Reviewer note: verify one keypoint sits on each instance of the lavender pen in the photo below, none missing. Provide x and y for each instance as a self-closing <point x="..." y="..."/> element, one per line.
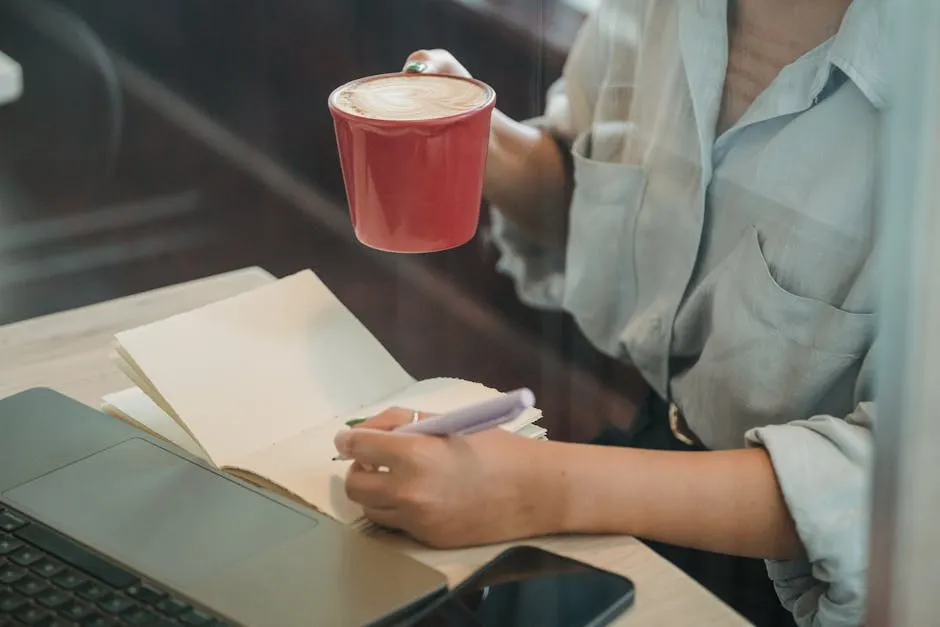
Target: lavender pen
<point x="473" y="419"/>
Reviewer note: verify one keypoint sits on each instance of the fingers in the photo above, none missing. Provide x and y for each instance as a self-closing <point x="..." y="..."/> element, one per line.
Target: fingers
<point x="420" y="61"/>
<point x="387" y="420"/>
<point x="375" y="448"/>
<point x="370" y="488"/>
<point x="435" y="62"/>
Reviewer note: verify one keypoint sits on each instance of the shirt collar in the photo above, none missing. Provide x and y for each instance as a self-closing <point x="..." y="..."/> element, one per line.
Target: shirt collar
<point x="860" y="48"/>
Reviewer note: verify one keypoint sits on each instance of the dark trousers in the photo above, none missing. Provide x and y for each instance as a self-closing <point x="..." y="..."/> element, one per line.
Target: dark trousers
<point x="740" y="582"/>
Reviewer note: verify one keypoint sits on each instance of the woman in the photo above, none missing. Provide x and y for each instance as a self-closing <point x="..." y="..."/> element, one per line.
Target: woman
<point x="699" y="196"/>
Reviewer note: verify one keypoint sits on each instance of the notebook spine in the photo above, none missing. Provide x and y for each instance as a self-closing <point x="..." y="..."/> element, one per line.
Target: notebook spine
<point x="369" y="528"/>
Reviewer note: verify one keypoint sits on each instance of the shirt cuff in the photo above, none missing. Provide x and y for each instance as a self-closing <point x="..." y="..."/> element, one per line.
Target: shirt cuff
<point x="537" y="271"/>
<point x="822" y="465"/>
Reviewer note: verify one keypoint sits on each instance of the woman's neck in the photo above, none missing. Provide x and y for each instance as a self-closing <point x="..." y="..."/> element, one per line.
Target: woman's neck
<point x="765" y="36"/>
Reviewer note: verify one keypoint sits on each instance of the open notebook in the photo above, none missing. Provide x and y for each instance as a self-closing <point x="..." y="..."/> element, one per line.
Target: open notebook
<point x="259" y="384"/>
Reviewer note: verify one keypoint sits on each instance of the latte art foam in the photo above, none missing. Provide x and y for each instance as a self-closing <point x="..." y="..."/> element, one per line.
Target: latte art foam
<point x="411" y="97"/>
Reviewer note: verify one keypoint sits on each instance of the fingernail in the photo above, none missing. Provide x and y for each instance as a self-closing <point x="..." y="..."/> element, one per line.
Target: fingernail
<point x="355" y="421"/>
<point x="341" y="442"/>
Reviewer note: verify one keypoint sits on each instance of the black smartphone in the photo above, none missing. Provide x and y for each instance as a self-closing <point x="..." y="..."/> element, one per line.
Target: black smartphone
<point x="525" y="586"/>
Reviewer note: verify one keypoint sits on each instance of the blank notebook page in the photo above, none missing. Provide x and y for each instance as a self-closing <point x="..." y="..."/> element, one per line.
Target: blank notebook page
<point x="253" y="370"/>
<point x="136" y="408"/>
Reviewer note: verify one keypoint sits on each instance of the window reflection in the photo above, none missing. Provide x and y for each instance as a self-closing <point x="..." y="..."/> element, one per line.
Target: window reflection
<point x="216" y="151"/>
<point x="585" y="6"/>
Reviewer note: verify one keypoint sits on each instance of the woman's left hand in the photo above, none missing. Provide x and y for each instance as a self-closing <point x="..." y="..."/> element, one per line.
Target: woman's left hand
<point x="446" y="491"/>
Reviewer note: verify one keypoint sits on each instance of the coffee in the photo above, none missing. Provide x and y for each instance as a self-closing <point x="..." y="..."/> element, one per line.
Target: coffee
<point x="411" y="97"/>
<point x="413" y="150"/>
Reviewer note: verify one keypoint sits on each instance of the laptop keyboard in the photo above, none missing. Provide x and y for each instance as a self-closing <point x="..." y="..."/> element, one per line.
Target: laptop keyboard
<point x="48" y="580"/>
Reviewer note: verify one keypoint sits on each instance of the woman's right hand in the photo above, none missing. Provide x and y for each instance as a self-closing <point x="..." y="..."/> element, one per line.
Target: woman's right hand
<point x="435" y="62"/>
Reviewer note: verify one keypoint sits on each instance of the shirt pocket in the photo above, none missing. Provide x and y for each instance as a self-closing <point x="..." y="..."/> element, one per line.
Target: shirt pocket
<point x="768" y="356"/>
<point x="600" y="273"/>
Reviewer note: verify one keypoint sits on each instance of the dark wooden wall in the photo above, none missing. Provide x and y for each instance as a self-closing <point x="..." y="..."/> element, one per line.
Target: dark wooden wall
<point x="265" y="67"/>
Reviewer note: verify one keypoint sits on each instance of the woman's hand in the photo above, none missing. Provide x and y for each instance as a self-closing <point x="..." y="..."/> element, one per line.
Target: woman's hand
<point x="446" y="492"/>
<point x="526" y="176"/>
<point x="435" y="62"/>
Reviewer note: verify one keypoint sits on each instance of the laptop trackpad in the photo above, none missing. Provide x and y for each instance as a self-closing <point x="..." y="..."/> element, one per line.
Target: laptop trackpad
<point x="158" y="513"/>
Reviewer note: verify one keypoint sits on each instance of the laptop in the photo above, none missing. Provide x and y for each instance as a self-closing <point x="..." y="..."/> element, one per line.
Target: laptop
<point x="102" y="525"/>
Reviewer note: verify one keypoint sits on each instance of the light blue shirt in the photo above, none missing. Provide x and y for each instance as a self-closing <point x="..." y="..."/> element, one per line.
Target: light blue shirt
<point x="738" y="272"/>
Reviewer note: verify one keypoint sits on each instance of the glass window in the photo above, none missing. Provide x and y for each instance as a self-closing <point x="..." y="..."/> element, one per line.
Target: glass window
<point x="698" y="232"/>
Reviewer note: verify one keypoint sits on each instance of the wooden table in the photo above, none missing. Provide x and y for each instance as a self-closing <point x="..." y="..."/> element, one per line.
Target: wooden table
<point x="71" y="353"/>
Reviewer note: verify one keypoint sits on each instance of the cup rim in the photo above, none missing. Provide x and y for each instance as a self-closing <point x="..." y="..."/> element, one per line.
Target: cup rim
<point x="489" y="103"/>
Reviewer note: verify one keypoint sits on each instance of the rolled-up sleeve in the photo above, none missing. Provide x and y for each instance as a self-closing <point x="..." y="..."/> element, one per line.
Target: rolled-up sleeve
<point x="823" y="466"/>
<point x="539" y="271"/>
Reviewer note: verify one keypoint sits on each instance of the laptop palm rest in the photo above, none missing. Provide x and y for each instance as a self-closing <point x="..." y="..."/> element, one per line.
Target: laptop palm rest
<point x="253" y="559"/>
<point x="158" y="513"/>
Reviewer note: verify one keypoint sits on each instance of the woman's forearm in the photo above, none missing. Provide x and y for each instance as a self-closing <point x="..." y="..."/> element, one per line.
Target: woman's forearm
<point x="723" y="501"/>
<point x="526" y="179"/>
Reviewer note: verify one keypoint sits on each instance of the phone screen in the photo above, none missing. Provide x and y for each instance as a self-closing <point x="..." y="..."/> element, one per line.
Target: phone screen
<point x="529" y="587"/>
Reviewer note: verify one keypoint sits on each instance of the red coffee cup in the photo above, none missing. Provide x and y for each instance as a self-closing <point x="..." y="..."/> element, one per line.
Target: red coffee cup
<point x="414" y="185"/>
